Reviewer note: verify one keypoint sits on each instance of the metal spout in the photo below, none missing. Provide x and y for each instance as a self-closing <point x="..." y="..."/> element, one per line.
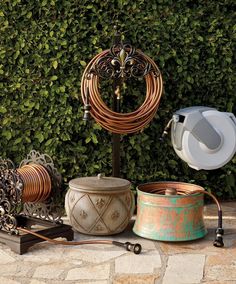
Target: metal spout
<point x="87" y="107"/>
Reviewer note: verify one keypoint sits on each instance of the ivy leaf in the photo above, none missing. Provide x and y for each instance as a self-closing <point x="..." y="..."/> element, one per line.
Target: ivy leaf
<point x="49" y="142"/>
<point x="53" y="78"/>
<point x="7" y="134"/>
<point x="87" y="140"/>
<point x="94" y="138"/>
<point x="83" y="63"/>
<point x="18" y="140"/>
<point x="3" y="109"/>
<point x="55" y="64"/>
<point x="39" y="136"/>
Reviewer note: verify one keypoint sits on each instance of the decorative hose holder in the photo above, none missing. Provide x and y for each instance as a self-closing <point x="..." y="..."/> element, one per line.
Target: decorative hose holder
<point x="173" y="211"/>
<point x="121" y="62"/>
<point x="29" y="196"/>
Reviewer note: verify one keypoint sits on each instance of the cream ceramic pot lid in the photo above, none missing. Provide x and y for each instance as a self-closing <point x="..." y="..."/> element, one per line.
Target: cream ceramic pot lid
<point x="99" y="182"/>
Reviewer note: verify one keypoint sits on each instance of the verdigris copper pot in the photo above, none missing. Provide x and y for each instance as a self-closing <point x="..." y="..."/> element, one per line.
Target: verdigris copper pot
<point x="99" y="205"/>
<point x="170" y="211"/>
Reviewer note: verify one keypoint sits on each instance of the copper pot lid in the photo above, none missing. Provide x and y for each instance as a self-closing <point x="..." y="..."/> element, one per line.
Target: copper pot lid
<point x="100" y="182"/>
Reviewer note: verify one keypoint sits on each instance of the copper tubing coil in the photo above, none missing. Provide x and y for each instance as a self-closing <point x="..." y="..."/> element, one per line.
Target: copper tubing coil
<point x="180" y="187"/>
<point x="122" y="123"/>
<point x="36" y="183"/>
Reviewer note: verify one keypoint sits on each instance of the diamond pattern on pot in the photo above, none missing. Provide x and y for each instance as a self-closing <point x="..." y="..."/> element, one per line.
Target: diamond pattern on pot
<point x="116" y="215"/>
<point x="84" y="213"/>
<point x="100" y="202"/>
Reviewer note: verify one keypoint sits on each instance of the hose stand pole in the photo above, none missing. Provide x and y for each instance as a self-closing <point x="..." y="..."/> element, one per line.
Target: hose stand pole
<point x="115" y="136"/>
<point x="116" y="108"/>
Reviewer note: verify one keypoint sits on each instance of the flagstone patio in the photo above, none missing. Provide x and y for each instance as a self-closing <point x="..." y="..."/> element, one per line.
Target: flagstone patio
<point x="160" y="262"/>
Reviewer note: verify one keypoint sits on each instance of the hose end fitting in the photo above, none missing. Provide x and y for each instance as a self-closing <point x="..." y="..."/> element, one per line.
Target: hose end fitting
<point x="87" y="106"/>
<point x="219" y="238"/>
<point x="163" y="136"/>
<point x="166" y="129"/>
<point x="87" y="109"/>
<point x="135" y="248"/>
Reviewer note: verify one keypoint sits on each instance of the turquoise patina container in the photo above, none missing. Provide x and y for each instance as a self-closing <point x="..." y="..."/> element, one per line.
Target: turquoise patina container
<point x="174" y="217"/>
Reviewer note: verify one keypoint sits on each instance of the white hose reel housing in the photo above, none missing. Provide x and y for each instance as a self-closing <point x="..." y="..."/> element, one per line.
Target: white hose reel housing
<point x="204" y="137"/>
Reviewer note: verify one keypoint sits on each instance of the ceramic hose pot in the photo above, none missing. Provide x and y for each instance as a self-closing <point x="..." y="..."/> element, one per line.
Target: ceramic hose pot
<point x="166" y="216"/>
<point x="99" y="205"/>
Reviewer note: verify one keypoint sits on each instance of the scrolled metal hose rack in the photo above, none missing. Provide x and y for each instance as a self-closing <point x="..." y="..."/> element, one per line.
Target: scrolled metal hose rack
<point x="15" y="213"/>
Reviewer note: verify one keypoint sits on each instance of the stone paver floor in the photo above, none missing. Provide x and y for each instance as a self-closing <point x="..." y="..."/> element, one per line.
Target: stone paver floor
<point x="160" y="262"/>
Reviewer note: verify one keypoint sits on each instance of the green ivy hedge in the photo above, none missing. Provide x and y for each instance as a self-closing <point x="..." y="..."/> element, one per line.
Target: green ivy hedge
<point x="44" y="47"/>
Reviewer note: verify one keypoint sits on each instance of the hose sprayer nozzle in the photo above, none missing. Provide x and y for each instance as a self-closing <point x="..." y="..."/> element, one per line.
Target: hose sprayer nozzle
<point x="135" y="248"/>
<point x="219" y="238"/>
<point x="166" y="129"/>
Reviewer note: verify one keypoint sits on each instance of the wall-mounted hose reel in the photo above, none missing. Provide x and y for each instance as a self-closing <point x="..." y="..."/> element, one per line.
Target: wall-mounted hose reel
<point x="204" y="137"/>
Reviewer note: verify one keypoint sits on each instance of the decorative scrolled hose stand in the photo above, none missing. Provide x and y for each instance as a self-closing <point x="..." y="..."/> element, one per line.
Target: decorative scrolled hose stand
<point x="36" y="186"/>
<point x="122" y="61"/>
<point x="119" y="63"/>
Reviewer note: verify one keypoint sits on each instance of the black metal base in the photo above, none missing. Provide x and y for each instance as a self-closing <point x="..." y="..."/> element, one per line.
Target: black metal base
<point x="20" y="243"/>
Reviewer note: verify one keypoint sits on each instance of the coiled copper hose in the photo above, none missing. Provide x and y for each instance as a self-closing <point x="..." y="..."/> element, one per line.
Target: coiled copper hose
<point x="36" y="183"/>
<point x="179" y="189"/>
<point x="122" y="123"/>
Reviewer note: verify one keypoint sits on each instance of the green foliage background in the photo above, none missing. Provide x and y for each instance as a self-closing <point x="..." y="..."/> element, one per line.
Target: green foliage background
<point x="44" y="47"/>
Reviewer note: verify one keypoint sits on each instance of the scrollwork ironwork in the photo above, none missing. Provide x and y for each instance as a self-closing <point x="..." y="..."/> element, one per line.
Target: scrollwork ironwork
<point x="11" y="187"/>
<point x="9" y="223"/>
<point x="122" y="62"/>
<point x="44" y="211"/>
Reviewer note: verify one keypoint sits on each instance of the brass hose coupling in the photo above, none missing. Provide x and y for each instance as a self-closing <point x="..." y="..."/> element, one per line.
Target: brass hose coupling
<point x="219" y="238"/>
<point x="135" y="248"/>
<point x="87" y="107"/>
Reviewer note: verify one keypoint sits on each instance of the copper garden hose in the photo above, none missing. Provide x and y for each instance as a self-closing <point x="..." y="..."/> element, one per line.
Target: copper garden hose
<point x="122" y="123"/>
<point x="36" y="183"/>
<point x="136" y="248"/>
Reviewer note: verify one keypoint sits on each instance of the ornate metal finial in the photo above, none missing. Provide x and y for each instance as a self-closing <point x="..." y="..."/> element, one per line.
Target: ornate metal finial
<point x="117" y="36"/>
